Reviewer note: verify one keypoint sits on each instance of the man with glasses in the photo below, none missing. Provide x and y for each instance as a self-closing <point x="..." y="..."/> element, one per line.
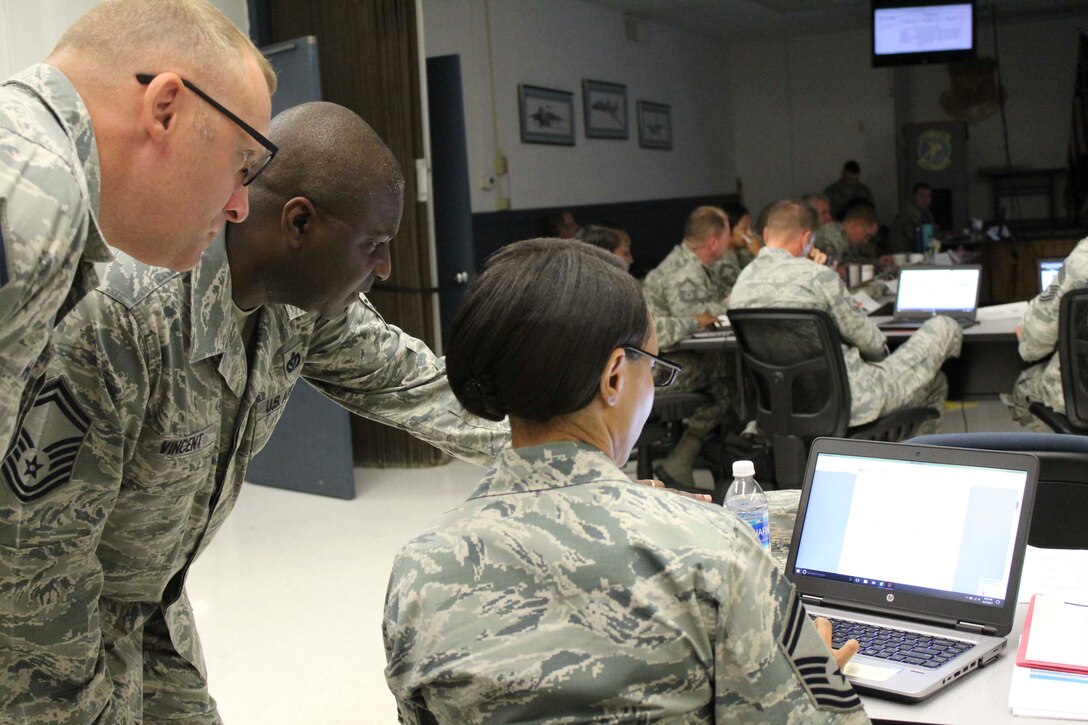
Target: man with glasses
<point x="175" y="381"/>
<point x="112" y="142"/>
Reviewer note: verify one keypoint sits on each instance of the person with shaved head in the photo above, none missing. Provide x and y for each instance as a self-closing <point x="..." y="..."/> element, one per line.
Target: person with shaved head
<point x="790" y="273"/>
<point x="122" y="137"/>
<point x="171" y="382"/>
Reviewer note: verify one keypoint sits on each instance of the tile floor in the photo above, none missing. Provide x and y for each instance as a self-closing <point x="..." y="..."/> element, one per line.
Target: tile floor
<point x="289" y="596"/>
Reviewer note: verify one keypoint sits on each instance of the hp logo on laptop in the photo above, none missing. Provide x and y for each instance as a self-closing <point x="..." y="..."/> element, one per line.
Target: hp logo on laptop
<point x="890" y="597"/>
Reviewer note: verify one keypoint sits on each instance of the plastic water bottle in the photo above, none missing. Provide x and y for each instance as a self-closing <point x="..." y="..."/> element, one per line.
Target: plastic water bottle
<point x="748" y="502"/>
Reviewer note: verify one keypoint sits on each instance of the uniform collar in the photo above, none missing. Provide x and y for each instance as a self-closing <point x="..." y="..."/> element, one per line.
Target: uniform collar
<point x="546" y="467"/>
<point x="213" y="324"/>
<point x="771" y="252"/>
<point x="50" y="86"/>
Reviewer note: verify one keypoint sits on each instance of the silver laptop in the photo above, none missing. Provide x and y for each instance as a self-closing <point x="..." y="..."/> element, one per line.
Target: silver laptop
<point x="927" y="291"/>
<point x="916" y="551"/>
<point x="1049" y="269"/>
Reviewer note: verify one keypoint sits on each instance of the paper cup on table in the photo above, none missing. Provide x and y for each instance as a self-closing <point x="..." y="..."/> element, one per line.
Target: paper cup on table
<point x="916" y="258"/>
<point x="866" y="272"/>
<point x="899" y="259"/>
<point x="853" y="275"/>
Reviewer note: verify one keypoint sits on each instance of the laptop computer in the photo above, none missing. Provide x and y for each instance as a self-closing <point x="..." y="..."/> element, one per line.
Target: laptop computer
<point x="927" y="291"/>
<point x="1048" y="272"/>
<point x="916" y="551"/>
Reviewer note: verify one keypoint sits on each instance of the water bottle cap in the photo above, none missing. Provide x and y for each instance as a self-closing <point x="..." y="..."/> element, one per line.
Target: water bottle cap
<point x="743" y="468"/>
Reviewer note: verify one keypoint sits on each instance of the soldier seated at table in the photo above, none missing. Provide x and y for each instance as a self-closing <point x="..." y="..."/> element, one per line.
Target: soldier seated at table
<point x="851" y="240"/>
<point x="785" y="275"/>
<point x="1038" y="336"/>
<point x="562" y="590"/>
<point x="686" y="292"/>
<point x="913" y="215"/>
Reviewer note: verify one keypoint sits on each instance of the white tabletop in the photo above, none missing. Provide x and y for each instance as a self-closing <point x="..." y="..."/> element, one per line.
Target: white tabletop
<point x="981" y="696"/>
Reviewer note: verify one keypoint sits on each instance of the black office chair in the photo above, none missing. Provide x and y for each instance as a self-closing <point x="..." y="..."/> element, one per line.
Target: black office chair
<point x="1060" y="517"/>
<point x="794" y="361"/>
<point x="1073" y="354"/>
<point x="664" y="426"/>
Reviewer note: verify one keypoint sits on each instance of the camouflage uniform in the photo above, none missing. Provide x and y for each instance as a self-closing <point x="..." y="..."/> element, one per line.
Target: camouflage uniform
<point x="831" y="240"/>
<point x="49" y="236"/>
<point x="152" y="413"/>
<point x="839" y="193"/>
<point x="676" y="291"/>
<point x="901" y="230"/>
<point x="879" y="383"/>
<point x="1043" y="382"/>
<point x="562" y="591"/>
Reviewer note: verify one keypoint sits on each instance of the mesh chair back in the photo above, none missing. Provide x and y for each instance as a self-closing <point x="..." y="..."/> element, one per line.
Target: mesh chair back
<point x="1073" y="352"/>
<point x="794" y="360"/>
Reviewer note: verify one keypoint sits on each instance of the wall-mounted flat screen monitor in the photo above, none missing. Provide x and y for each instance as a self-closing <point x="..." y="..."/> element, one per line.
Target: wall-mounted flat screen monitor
<point x="910" y="32"/>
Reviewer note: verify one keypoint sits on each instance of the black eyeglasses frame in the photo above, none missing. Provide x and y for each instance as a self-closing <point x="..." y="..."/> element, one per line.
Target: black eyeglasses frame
<point x="674" y="368"/>
<point x="146" y="78"/>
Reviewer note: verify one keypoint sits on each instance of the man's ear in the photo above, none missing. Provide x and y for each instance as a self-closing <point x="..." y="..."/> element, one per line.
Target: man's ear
<point x="297" y="220"/>
<point x="613" y="378"/>
<point x="159" y="106"/>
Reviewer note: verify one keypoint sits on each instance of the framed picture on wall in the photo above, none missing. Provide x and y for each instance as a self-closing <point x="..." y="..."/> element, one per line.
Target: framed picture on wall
<point x="605" y="109"/>
<point x="547" y="115"/>
<point x="654" y="125"/>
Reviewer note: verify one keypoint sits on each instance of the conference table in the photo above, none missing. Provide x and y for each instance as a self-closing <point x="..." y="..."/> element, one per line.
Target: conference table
<point x="980" y="697"/>
<point x="987" y="366"/>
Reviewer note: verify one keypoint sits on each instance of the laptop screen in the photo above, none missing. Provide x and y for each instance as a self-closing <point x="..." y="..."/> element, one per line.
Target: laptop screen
<point x="917" y="527"/>
<point x="938" y="290"/>
<point x="1048" y="272"/>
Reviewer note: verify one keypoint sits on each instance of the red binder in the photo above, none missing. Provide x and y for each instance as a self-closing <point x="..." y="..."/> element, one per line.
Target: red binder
<point x="1021" y="653"/>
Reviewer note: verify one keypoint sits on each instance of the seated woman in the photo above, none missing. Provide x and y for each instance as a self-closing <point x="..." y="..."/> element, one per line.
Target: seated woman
<point x="744" y="242"/>
<point x="562" y="590"/>
<point x="612" y="240"/>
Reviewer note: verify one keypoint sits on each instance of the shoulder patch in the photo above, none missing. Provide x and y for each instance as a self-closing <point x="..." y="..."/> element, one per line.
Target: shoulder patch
<point x="826" y="684"/>
<point x="688" y="291"/>
<point x="44" y="452"/>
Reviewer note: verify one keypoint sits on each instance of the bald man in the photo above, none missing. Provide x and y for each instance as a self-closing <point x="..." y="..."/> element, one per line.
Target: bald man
<point x="122" y="137"/>
<point x="164" y="387"/>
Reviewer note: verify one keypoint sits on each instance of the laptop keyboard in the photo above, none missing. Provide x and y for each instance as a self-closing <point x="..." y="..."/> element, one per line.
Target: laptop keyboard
<point x="897" y="645"/>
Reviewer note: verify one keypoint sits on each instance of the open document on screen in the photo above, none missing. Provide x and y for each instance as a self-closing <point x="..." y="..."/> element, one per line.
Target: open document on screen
<point x="940" y="290"/>
<point x="922" y="29"/>
<point x="935" y="529"/>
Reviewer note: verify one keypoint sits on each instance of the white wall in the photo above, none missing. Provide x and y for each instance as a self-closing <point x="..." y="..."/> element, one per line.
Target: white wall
<point x="1038" y="68"/>
<point x="556" y="44"/>
<point x="801" y="107"/>
<point x="29" y="30"/>
<point x="804" y="105"/>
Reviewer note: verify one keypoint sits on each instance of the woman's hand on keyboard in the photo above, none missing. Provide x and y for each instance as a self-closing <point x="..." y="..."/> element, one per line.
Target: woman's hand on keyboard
<point x="844" y="653"/>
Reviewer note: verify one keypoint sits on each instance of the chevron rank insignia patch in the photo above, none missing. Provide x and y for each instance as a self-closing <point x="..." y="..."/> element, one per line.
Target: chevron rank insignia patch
<point x="44" y="452"/>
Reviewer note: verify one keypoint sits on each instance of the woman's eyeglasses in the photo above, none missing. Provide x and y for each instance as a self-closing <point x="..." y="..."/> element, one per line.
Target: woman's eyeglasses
<point x="664" y="371"/>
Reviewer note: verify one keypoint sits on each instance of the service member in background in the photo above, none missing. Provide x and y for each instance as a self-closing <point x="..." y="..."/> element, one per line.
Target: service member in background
<point x="164" y="386"/>
<point x="783" y="276"/>
<point x="115" y="139"/>
<point x="1038" y="335"/>
<point x="688" y="291"/>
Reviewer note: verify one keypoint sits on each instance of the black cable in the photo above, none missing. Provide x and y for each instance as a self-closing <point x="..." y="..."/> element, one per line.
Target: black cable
<point x="1001" y="104"/>
<point x="963" y="412"/>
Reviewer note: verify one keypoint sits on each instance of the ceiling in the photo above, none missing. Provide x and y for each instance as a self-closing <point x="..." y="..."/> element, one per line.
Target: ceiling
<point x="734" y="20"/>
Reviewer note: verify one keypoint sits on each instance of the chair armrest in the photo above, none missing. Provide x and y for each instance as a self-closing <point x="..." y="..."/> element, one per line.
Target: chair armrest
<point x="896" y="426"/>
<point x="1057" y="422"/>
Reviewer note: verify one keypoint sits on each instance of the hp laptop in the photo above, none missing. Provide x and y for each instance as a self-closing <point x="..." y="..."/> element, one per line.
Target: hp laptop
<point x="1048" y="272"/>
<point x="927" y="291"/>
<point x="916" y="552"/>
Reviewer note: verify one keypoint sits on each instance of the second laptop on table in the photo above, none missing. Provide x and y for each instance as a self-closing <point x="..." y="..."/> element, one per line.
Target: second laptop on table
<point x="925" y="292"/>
